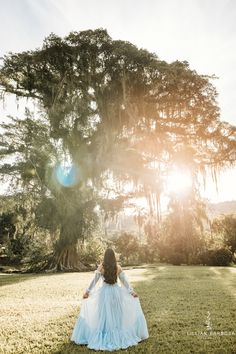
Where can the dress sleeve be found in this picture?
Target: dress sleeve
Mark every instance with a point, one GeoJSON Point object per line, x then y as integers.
{"type": "Point", "coordinates": [125, 281]}
{"type": "Point", "coordinates": [96, 277]}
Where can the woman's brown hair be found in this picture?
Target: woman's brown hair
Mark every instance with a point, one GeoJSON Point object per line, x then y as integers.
{"type": "Point", "coordinates": [110, 266]}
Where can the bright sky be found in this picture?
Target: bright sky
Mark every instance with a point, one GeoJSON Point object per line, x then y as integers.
{"type": "Point", "coordinates": [202, 32]}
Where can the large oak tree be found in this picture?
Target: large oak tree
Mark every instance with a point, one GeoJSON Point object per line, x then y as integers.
{"type": "Point", "coordinates": [120, 113]}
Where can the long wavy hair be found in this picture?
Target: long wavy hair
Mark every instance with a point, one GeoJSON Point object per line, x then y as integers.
{"type": "Point", "coordinates": [110, 266]}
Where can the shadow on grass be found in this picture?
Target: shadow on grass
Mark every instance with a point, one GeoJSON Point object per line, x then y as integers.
{"type": "Point", "coordinates": [8, 279]}
{"type": "Point", "coordinates": [14, 278]}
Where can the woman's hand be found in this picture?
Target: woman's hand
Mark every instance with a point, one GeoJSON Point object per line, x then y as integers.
{"type": "Point", "coordinates": [86, 295]}
{"type": "Point", "coordinates": [134, 294]}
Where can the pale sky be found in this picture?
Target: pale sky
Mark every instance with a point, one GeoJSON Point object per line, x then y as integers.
{"type": "Point", "coordinates": [202, 32]}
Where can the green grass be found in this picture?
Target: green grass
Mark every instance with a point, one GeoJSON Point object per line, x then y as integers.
{"type": "Point", "coordinates": [38, 312]}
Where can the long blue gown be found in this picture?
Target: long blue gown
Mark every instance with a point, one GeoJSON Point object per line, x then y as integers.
{"type": "Point", "coordinates": [110, 318]}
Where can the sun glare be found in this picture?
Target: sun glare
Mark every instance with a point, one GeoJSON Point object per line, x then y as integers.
{"type": "Point", "coordinates": [178, 182]}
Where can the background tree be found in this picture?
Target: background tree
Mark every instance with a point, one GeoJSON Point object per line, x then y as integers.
{"type": "Point", "coordinates": [127, 246]}
{"type": "Point", "coordinates": [225, 226]}
{"type": "Point", "coordinates": [20, 238]}
{"type": "Point", "coordinates": [181, 237]}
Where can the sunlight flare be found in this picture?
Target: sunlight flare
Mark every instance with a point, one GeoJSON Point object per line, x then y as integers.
{"type": "Point", "coordinates": [178, 182]}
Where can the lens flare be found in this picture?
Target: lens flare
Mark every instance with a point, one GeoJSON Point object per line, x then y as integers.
{"type": "Point", "coordinates": [67, 175]}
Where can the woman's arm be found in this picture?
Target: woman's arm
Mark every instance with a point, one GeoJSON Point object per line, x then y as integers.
{"type": "Point", "coordinates": [125, 281]}
{"type": "Point", "coordinates": [97, 275]}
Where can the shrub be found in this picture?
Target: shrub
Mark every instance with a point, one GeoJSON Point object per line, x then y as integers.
{"type": "Point", "coordinates": [234, 259]}
{"type": "Point", "coordinates": [217, 257]}
{"type": "Point", "coordinates": [176, 258]}
{"type": "Point", "coordinates": [147, 253]}
{"type": "Point", "coordinates": [206, 258]}
{"type": "Point", "coordinates": [92, 251]}
{"type": "Point", "coordinates": [222, 257]}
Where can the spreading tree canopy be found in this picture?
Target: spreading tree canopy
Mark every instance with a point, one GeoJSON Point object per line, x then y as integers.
{"type": "Point", "coordinates": [120, 113]}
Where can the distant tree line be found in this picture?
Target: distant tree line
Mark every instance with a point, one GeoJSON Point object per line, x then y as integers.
{"type": "Point", "coordinates": [178, 239]}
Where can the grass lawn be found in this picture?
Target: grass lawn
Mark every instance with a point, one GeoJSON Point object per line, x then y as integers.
{"type": "Point", "coordinates": [188, 310]}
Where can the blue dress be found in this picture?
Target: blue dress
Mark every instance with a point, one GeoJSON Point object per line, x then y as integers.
{"type": "Point", "coordinates": [110, 318]}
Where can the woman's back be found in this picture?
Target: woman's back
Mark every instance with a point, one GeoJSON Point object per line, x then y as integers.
{"type": "Point", "coordinates": [111, 316]}
{"type": "Point", "coordinates": [101, 268]}
{"type": "Point", "coordinates": [110, 272]}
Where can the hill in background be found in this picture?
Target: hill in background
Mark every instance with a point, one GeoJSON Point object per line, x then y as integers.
{"type": "Point", "coordinates": [217, 209]}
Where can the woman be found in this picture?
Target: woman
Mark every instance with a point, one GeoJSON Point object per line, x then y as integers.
{"type": "Point", "coordinates": [111, 316]}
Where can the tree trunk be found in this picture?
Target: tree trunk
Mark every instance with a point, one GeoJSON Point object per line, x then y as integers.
{"type": "Point", "coordinates": [66, 259]}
